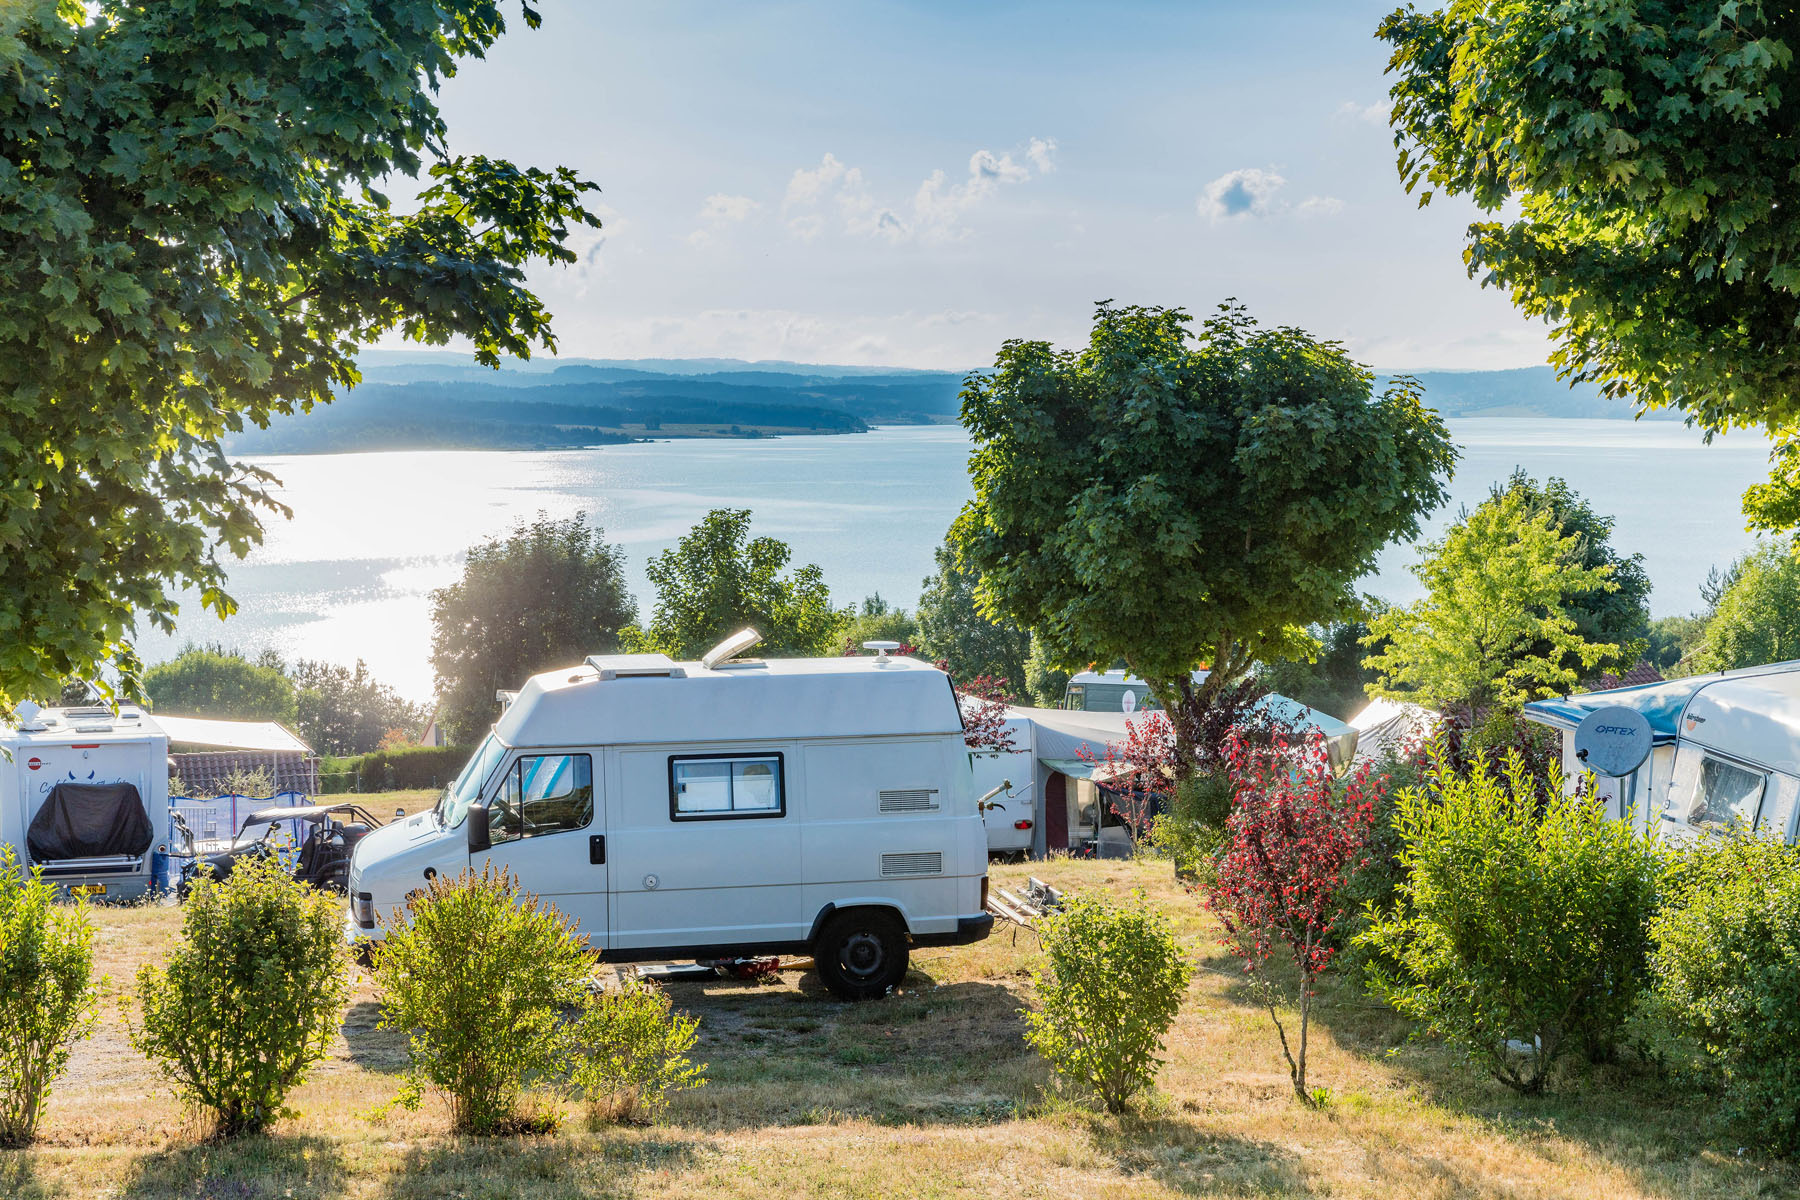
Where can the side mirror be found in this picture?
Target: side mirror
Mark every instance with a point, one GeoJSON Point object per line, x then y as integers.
{"type": "Point", "coordinates": [477, 825]}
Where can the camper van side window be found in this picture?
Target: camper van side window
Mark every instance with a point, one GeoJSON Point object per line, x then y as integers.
{"type": "Point", "coordinates": [543, 794]}
{"type": "Point", "coordinates": [709, 788]}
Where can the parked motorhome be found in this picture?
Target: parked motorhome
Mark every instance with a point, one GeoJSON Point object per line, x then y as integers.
{"type": "Point", "coordinates": [1725, 751]}
{"type": "Point", "coordinates": [715, 809]}
{"type": "Point", "coordinates": [86, 797]}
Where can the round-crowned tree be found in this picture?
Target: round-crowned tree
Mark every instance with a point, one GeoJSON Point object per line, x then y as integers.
{"type": "Point", "coordinates": [1179, 499]}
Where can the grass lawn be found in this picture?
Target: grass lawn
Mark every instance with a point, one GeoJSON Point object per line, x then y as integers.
{"type": "Point", "coordinates": [931, 1092]}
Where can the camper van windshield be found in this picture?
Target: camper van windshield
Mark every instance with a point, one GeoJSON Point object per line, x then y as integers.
{"type": "Point", "coordinates": [453, 806]}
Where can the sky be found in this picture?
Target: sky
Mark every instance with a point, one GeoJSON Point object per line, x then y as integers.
{"type": "Point", "coordinates": [911, 184]}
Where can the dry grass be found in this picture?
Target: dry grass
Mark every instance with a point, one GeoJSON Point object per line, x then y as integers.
{"type": "Point", "coordinates": [929, 1093]}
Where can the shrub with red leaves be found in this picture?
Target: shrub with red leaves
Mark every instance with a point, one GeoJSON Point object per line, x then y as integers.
{"type": "Point", "coordinates": [1295, 836]}
{"type": "Point", "coordinates": [983, 701]}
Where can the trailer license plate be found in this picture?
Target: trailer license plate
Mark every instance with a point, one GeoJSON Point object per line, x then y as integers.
{"type": "Point", "coordinates": [88, 889]}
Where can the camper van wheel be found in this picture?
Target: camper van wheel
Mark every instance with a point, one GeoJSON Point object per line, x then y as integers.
{"type": "Point", "coordinates": [861, 954]}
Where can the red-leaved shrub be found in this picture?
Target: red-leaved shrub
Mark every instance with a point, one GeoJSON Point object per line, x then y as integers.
{"type": "Point", "coordinates": [1294, 837]}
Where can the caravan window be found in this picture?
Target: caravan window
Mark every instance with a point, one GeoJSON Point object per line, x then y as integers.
{"type": "Point", "coordinates": [712, 788]}
{"type": "Point", "coordinates": [543, 794]}
{"type": "Point", "coordinates": [1726, 794]}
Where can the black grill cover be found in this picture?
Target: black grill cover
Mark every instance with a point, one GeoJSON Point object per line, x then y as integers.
{"type": "Point", "coordinates": [90, 820]}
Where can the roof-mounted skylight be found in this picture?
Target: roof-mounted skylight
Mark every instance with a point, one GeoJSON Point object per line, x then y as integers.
{"type": "Point", "coordinates": [632, 666]}
{"type": "Point", "coordinates": [730, 648]}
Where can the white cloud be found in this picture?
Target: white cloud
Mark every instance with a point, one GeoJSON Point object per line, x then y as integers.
{"type": "Point", "coordinates": [1320, 206]}
{"type": "Point", "coordinates": [720, 209]}
{"type": "Point", "coordinates": [1246, 192]}
{"type": "Point", "coordinates": [807, 186]}
{"type": "Point", "coordinates": [1373, 114]}
{"type": "Point", "coordinates": [935, 211]}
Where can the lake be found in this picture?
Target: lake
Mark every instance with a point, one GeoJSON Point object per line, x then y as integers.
{"type": "Point", "coordinates": [350, 575]}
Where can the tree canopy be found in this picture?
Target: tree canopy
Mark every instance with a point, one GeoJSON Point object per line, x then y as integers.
{"type": "Point", "coordinates": [1756, 618]}
{"type": "Point", "coordinates": [190, 243]}
{"type": "Point", "coordinates": [1619, 615]}
{"type": "Point", "coordinates": [953, 629]}
{"type": "Point", "coordinates": [547, 595]}
{"type": "Point", "coordinates": [210, 681]}
{"type": "Point", "coordinates": [718, 579]}
{"type": "Point", "coordinates": [1335, 680]}
{"type": "Point", "coordinates": [1177, 500]}
{"type": "Point", "coordinates": [345, 710]}
{"type": "Point", "coordinates": [1638, 160]}
{"type": "Point", "coordinates": [878, 621]}
{"type": "Point", "coordinates": [1494, 629]}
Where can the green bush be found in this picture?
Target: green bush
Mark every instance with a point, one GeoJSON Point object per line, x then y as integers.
{"type": "Point", "coordinates": [629, 1052]}
{"type": "Point", "coordinates": [1374, 887]}
{"type": "Point", "coordinates": [1192, 829]}
{"type": "Point", "coordinates": [1726, 968]}
{"type": "Point", "coordinates": [47, 993]}
{"type": "Point", "coordinates": [1107, 995]}
{"type": "Point", "coordinates": [405, 768]}
{"type": "Point", "coordinates": [481, 975]}
{"type": "Point", "coordinates": [1521, 931]}
{"type": "Point", "coordinates": [250, 996]}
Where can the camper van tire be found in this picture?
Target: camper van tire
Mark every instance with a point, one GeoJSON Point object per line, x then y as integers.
{"type": "Point", "coordinates": [861, 953]}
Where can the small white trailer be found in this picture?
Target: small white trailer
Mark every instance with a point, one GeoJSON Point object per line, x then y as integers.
{"type": "Point", "coordinates": [717, 809]}
{"type": "Point", "coordinates": [1721, 751]}
{"type": "Point", "coordinates": [84, 797]}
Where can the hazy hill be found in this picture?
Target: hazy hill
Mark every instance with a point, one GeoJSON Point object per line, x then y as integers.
{"type": "Point", "coordinates": [421, 400]}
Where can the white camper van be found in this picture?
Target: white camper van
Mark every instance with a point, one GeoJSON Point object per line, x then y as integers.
{"type": "Point", "coordinates": [84, 797]}
{"type": "Point", "coordinates": [718, 808]}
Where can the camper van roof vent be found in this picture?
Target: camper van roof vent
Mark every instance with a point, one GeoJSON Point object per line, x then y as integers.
{"type": "Point", "coordinates": [633, 666]}
{"type": "Point", "coordinates": [33, 718]}
{"type": "Point", "coordinates": [730, 648]}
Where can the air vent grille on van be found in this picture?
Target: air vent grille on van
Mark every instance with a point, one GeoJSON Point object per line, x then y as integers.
{"type": "Point", "coordinates": [901, 800]}
{"type": "Point", "coordinates": [918, 862]}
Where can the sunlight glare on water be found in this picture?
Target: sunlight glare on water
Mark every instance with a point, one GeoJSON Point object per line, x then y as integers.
{"type": "Point", "coordinates": [350, 575]}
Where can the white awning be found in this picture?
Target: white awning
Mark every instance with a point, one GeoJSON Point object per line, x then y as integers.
{"type": "Point", "coordinates": [267, 736]}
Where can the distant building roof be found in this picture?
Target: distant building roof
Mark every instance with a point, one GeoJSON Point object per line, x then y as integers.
{"type": "Point", "coordinates": [269, 736]}
{"type": "Point", "coordinates": [1639, 674]}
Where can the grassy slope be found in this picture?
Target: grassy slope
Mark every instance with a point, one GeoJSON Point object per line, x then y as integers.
{"type": "Point", "coordinates": [929, 1093]}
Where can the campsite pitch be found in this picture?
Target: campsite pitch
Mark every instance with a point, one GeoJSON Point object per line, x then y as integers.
{"type": "Point", "coordinates": [931, 1092]}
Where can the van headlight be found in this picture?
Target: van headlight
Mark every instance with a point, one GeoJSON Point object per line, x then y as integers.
{"type": "Point", "coordinates": [365, 910]}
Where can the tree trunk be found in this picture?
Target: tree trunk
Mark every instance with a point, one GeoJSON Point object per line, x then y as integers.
{"type": "Point", "coordinates": [1300, 1089]}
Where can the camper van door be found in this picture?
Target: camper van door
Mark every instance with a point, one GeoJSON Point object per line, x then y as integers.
{"type": "Point", "coordinates": [547, 827]}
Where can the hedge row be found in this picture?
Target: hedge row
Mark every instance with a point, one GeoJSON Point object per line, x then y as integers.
{"type": "Point", "coordinates": [392, 770]}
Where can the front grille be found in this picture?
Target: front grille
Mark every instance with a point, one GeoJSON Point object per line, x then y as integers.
{"type": "Point", "coordinates": [903, 800]}
{"type": "Point", "coordinates": [916, 862]}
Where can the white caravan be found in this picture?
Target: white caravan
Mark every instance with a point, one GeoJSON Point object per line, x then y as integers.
{"type": "Point", "coordinates": [84, 797]}
{"type": "Point", "coordinates": [717, 809]}
{"type": "Point", "coordinates": [1725, 751]}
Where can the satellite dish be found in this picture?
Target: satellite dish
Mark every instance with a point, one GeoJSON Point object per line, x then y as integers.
{"type": "Point", "coordinates": [1613, 741]}
{"type": "Point", "coordinates": [730, 648]}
